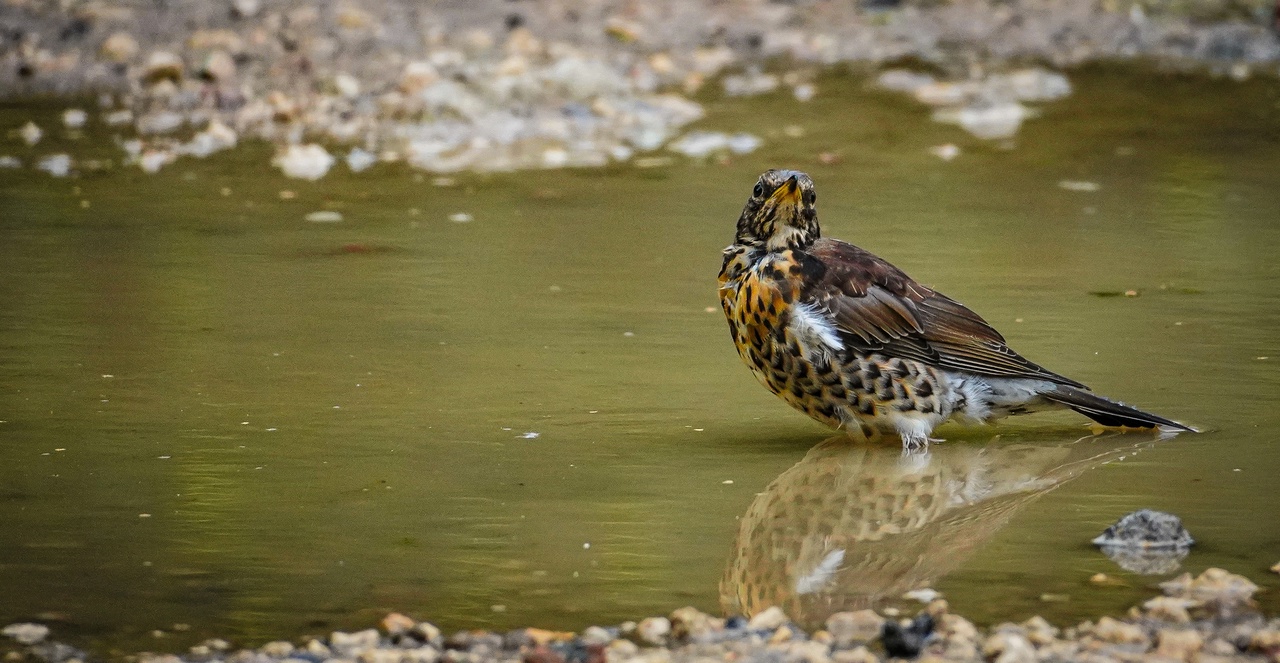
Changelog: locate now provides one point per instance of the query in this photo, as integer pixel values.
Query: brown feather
(878, 308)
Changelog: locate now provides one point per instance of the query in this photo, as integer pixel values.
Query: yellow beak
(788, 193)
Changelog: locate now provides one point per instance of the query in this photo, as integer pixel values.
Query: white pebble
(74, 118)
(1078, 185)
(26, 633)
(308, 162)
(461, 217)
(945, 152)
(359, 160)
(58, 165)
(31, 133)
(324, 216)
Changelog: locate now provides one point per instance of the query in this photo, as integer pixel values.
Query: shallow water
(324, 422)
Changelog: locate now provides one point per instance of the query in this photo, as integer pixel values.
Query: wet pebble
(324, 216)
(26, 633)
(74, 118)
(308, 162)
(768, 619)
(120, 47)
(31, 133)
(654, 630)
(58, 165)
(352, 642)
(848, 628)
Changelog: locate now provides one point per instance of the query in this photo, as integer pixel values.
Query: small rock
(925, 595)
(308, 162)
(426, 632)
(1180, 644)
(162, 66)
(987, 119)
(902, 80)
(26, 633)
(159, 122)
(58, 165)
(119, 118)
(945, 152)
(277, 648)
(767, 620)
(31, 133)
(906, 640)
(1144, 528)
(1008, 647)
(326, 216)
(850, 627)
(595, 636)
(1267, 641)
(1168, 609)
(804, 92)
(543, 654)
(1145, 541)
(1276, 568)
(57, 652)
(1215, 590)
(621, 650)
(317, 649)
(219, 67)
(654, 630)
(74, 118)
(689, 622)
(748, 84)
(245, 8)
(359, 160)
(1039, 631)
(544, 637)
(1117, 632)
(1104, 580)
(347, 85)
(152, 160)
(1086, 187)
(352, 642)
(856, 655)
(955, 627)
(7, 161)
(119, 47)
(394, 623)
(463, 217)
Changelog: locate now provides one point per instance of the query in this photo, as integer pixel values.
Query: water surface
(217, 414)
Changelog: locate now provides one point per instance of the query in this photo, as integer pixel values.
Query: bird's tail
(1108, 412)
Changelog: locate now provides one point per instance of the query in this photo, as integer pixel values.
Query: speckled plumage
(852, 341)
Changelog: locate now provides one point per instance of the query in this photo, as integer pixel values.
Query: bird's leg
(912, 443)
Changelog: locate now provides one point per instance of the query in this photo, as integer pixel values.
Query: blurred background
(312, 311)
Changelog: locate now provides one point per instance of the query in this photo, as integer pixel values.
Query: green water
(325, 422)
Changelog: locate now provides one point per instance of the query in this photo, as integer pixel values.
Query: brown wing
(878, 308)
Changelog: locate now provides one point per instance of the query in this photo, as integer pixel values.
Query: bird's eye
(758, 191)
(811, 197)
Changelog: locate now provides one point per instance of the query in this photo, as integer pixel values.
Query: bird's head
(781, 212)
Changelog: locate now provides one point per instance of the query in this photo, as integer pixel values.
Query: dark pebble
(901, 642)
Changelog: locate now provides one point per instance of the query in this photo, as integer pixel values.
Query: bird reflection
(852, 524)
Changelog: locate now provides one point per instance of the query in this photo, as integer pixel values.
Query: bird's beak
(787, 194)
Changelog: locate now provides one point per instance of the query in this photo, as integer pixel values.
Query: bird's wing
(878, 308)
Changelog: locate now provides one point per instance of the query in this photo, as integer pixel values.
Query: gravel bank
(458, 85)
(1205, 619)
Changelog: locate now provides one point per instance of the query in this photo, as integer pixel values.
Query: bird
(852, 341)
